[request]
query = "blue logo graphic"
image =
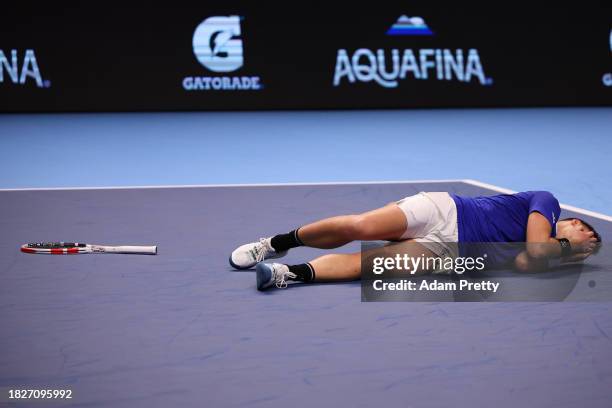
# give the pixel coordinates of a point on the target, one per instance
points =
(409, 26)
(216, 44)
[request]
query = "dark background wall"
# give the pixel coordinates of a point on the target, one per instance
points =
(100, 56)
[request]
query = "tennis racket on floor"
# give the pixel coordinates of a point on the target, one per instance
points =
(74, 248)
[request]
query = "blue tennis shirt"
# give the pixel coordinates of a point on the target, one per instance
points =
(503, 218)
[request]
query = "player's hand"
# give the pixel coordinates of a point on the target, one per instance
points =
(582, 242)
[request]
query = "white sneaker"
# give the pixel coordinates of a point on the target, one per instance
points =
(275, 274)
(249, 255)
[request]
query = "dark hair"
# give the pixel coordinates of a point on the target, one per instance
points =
(590, 227)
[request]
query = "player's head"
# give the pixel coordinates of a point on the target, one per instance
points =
(568, 227)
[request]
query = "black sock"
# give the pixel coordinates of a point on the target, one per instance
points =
(305, 272)
(283, 242)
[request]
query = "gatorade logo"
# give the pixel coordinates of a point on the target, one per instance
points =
(216, 44)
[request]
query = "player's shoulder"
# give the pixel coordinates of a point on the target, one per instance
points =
(541, 198)
(540, 194)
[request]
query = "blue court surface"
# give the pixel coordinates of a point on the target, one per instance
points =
(184, 329)
(563, 150)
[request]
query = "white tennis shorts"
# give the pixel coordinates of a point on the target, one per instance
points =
(432, 221)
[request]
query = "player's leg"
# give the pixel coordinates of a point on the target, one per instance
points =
(333, 267)
(388, 223)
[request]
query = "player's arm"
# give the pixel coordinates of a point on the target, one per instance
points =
(540, 246)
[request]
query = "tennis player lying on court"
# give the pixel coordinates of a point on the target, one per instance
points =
(435, 222)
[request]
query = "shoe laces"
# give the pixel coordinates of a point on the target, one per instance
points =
(281, 276)
(261, 250)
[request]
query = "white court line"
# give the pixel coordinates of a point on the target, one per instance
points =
(332, 183)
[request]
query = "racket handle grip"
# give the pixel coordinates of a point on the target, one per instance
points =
(127, 249)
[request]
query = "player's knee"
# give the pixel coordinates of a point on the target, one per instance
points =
(361, 227)
(521, 264)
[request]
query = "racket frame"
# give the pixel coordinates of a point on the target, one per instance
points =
(63, 248)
